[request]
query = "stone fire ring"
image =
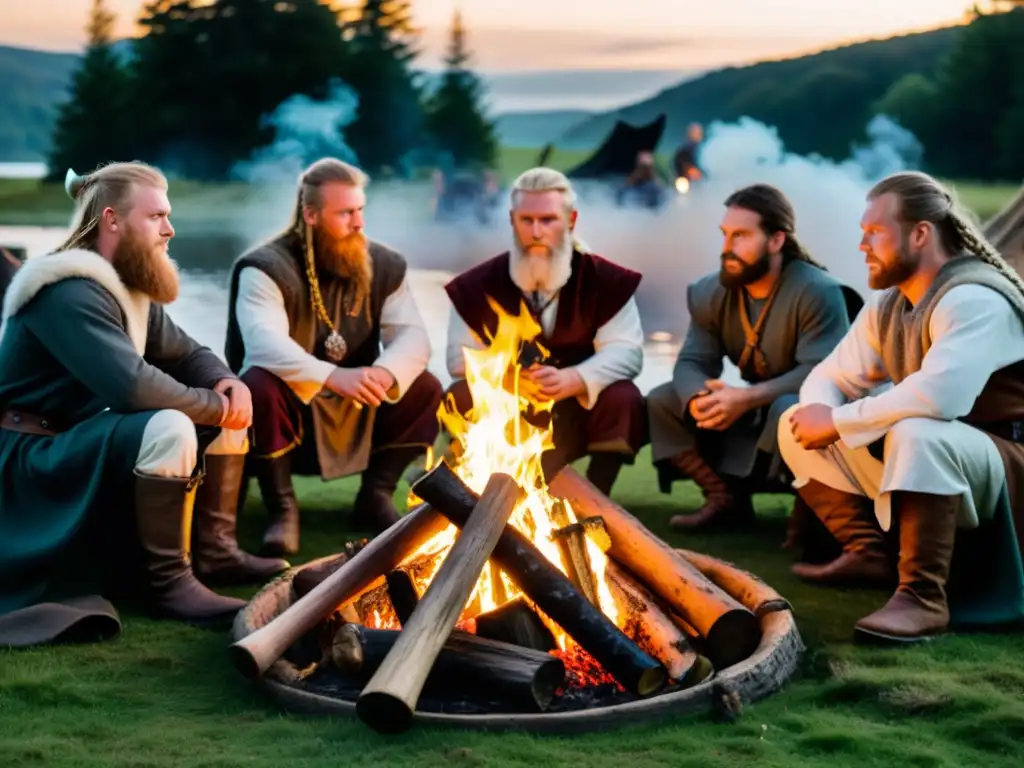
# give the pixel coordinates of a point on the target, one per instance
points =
(761, 674)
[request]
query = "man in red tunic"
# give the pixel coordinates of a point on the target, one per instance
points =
(590, 325)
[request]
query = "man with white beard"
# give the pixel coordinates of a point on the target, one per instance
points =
(112, 416)
(590, 326)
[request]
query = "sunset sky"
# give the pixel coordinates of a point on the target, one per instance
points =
(580, 34)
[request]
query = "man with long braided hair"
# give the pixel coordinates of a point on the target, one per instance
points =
(775, 313)
(109, 408)
(308, 314)
(915, 423)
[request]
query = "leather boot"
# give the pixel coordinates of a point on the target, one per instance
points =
(163, 514)
(723, 505)
(603, 470)
(375, 504)
(850, 519)
(796, 524)
(219, 560)
(918, 608)
(275, 480)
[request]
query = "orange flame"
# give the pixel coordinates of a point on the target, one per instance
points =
(494, 437)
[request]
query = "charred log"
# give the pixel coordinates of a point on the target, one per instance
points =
(549, 589)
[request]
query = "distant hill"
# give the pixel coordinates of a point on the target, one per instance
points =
(34, 82)
(818, 102)
(535, 129)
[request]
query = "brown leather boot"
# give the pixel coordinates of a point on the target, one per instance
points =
(603, 470)
(723, 506)
(163, 514)
(851, 520)
(918, 608)
(375, 502)
(796, 524)
(219, 560)
(275, 480)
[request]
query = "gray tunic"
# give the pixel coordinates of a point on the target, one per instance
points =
(70, 352)
(807, 319)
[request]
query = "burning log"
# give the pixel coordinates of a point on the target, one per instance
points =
(731, 631)
(403, 595)
(654, 631)
(572, 542)
(516, 622)
(523, 677)
(253, 655)
(549, 589)
(745, 587)
(388, 701)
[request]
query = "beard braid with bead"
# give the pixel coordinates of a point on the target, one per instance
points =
(338, 258)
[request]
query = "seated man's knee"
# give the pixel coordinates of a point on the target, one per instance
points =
(169, 446)
(621, 395)
(428, 386)
(230, 442)
(263, 386)
(664, 400)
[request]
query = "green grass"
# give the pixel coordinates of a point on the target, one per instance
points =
(163, 694)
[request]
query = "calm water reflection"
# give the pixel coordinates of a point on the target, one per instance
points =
(201, 307)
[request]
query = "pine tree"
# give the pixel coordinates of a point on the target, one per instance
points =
(455, 114)
(89, 128)
(390, 115)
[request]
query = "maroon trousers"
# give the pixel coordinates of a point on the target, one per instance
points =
(617, 424)
(281, 421)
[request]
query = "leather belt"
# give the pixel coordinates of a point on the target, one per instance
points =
(27, 423)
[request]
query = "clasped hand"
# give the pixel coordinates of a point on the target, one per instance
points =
(368, 386)
(813, 426)
(236, 404)
(719, 406)
(545, 382)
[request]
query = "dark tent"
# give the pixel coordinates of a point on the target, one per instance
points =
(616, 157)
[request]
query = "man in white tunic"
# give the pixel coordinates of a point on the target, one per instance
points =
(309, 313)
(914, 423)
(590, 327)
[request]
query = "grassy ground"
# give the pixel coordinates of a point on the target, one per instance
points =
(29, 202)
(164, 694)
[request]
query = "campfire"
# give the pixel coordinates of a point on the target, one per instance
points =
(499, 586)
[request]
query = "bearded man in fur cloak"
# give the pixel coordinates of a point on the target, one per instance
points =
(116, 427)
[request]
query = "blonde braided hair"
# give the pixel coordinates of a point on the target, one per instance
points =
(923, 199)
(109, 186)
(322, 172)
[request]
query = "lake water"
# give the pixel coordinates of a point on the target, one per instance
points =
(201, 309)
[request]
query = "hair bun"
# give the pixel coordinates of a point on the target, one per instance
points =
(74, 184)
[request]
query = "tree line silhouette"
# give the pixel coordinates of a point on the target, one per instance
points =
(192, 93)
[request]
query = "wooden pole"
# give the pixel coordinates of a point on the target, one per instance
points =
(550, 590)
(253, 654)
(653, 630)
(745, 587)
(731, 631)
(388, 701)
(466, 663)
